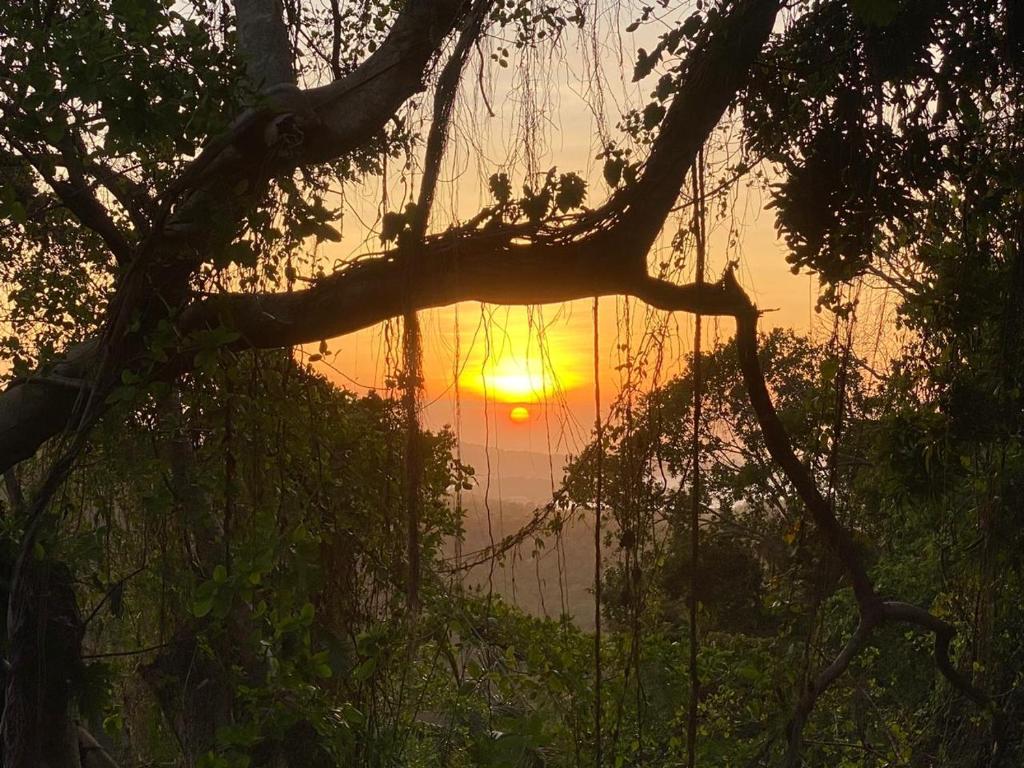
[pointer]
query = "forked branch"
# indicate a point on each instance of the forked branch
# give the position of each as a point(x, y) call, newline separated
point(872, 609)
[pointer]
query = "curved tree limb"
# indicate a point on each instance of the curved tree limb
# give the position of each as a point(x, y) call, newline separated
point(364, 294)
point(777, 442)
point(36, 408)
point(873, 610)
point(822, 683)
point(583, 260)
point(944, 634)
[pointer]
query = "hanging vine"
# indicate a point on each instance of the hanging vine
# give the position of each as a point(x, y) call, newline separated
point(598, 499)
point(412, 351)
point(699, 233)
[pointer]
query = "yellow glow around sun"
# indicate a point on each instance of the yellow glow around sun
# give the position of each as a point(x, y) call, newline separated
point(516, 370)
point(512, 380)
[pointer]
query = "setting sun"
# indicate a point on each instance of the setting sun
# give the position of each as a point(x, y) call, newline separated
point(515, 381)
point(518, 371)
point(519, 414)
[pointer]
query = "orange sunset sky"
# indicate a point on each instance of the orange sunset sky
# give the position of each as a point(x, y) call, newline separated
point(552, 108)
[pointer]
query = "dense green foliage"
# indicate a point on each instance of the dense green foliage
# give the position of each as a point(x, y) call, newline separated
point(236, 540)
point(773, 603)
point(261, 548)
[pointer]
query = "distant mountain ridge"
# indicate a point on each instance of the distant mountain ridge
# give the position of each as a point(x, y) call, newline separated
point(520, 482)
point(524, 477)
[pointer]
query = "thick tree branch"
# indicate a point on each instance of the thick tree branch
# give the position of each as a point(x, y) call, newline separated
point(602, 253)
point(777, 442)
point(131, 195)
point(352, 109)
point(712, 75)
point(822, 683)
point(291, 128)
point(371, 292)
point(714, 72)
point(74, 192)
point(263, 41)
point(944, 634)
point(873, 611)
point(34, 409)
point(79, 199)
point(363, 295)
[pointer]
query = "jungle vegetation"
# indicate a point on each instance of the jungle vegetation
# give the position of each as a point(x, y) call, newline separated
point(213, 557)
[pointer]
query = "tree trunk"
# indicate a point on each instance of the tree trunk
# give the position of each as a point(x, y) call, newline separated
point(44, 635)
point(193, 691)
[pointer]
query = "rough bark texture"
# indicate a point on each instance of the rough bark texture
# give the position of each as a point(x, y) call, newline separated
point(263, 39)
point(34, 409)
point(92, 753)
point(45, 632)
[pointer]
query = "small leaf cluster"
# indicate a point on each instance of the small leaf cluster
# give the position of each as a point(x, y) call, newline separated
point(558, 193)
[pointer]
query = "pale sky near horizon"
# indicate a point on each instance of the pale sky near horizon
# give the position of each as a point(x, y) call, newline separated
point(554, 107)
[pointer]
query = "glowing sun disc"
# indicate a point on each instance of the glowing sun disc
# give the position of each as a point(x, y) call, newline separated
point(519, 414)
point(518, 381)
